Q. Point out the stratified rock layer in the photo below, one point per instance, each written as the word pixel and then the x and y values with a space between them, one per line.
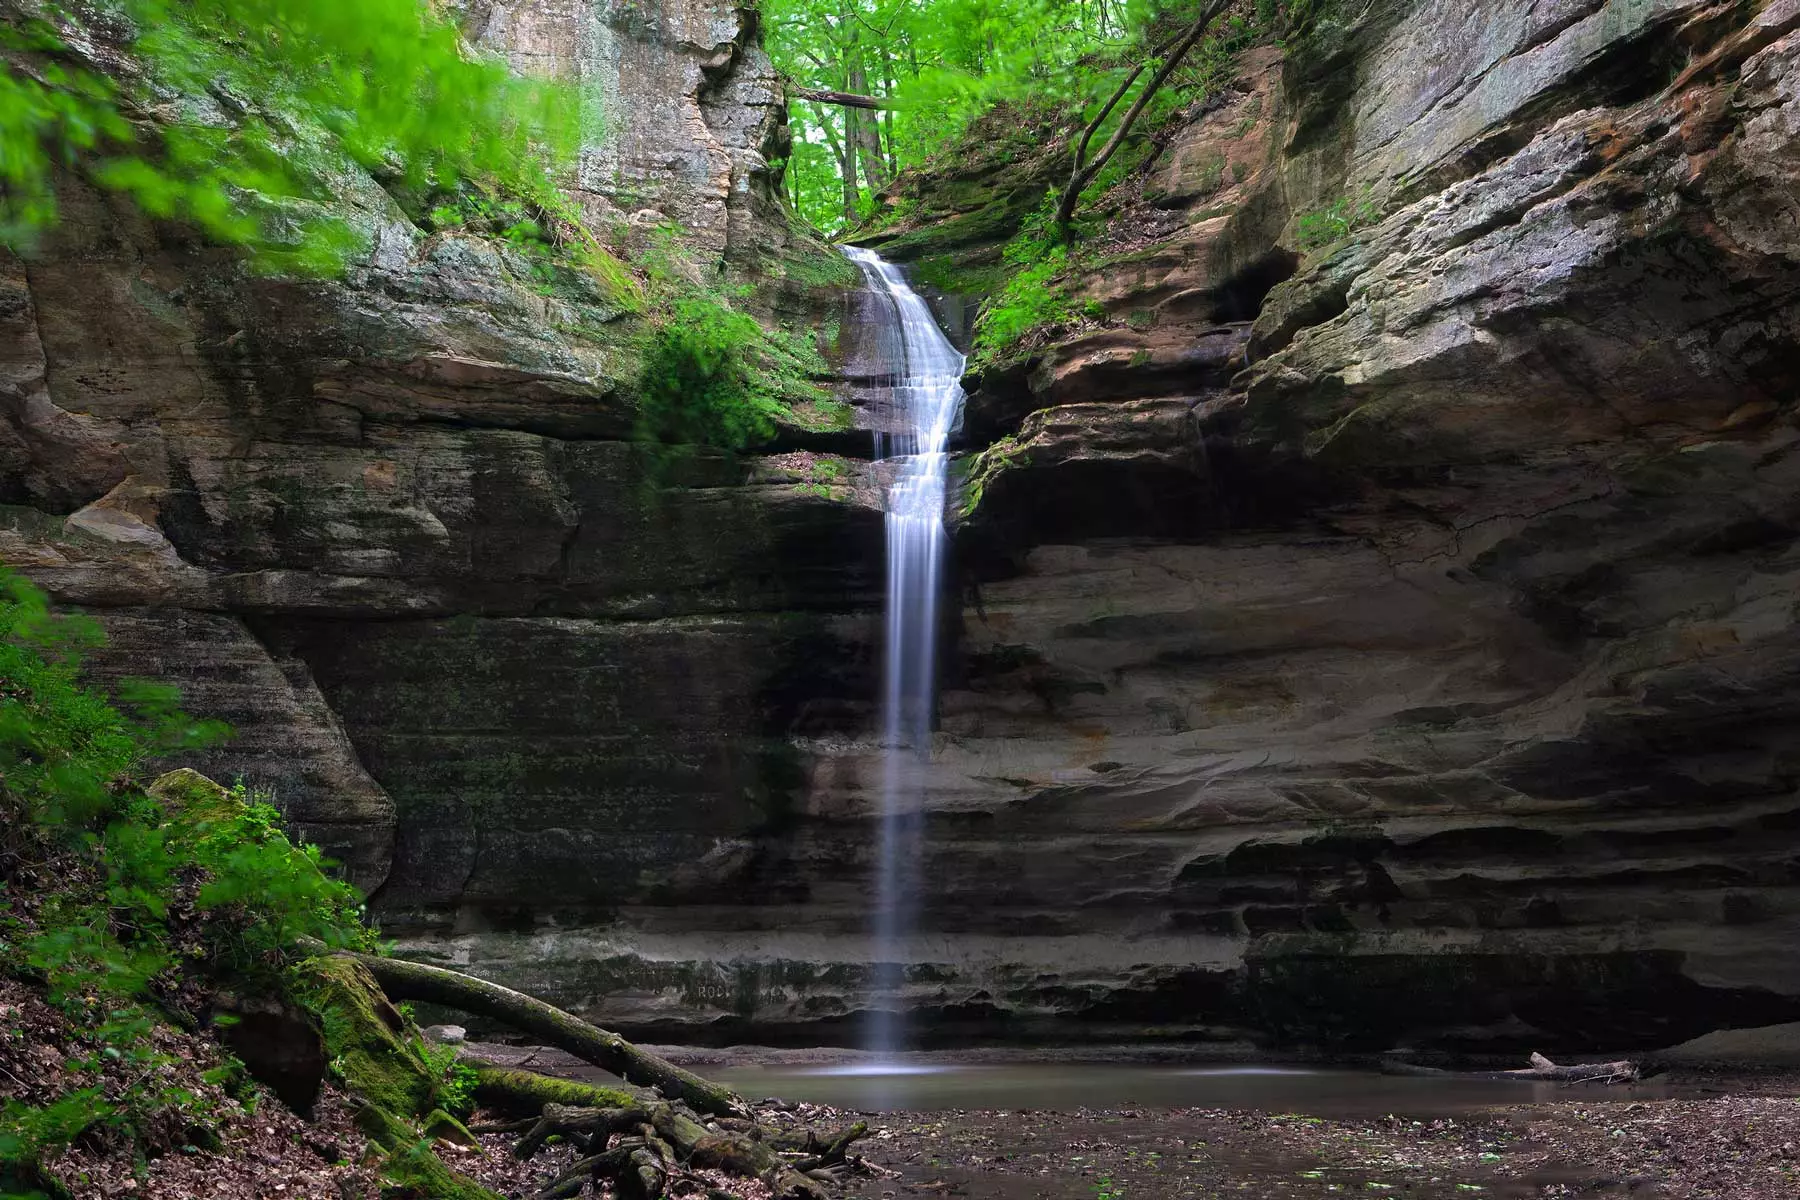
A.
pixel 1390 641
pixel 1402 655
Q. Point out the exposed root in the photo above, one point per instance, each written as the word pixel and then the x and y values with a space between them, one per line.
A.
pixel 645 1148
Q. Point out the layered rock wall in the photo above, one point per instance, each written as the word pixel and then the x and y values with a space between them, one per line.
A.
pixel 1405 614
pixel 1411 615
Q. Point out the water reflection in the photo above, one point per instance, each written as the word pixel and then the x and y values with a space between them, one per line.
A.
pixel 920 1086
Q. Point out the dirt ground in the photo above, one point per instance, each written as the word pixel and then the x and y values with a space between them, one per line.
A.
pixel 1717 1137
pixel 1734 1146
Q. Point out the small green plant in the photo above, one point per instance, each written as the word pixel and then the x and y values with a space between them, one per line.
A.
pixel 455 1080
pixel 1333 223
pixel 824 475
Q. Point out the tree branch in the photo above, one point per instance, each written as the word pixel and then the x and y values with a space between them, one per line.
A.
pixel 842 99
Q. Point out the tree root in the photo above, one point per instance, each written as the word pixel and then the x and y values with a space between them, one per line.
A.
pixel 642 1139
pixel 645 1145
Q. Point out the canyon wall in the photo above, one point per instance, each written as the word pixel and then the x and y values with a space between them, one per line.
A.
pixel 1404 616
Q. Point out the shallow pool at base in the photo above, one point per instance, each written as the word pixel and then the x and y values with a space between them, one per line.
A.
pixel 912 1086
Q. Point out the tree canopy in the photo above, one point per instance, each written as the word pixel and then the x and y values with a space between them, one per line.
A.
pixel 934 65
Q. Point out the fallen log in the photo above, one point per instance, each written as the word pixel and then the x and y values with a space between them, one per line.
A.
pixel 403 980
pixel 844 99
pixel 1541 1069
pixel 509 1089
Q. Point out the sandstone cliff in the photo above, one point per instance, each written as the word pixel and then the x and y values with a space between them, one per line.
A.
pixel 1409 651
pixel 1378 641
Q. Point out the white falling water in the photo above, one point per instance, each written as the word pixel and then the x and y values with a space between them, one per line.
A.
pixel 923 406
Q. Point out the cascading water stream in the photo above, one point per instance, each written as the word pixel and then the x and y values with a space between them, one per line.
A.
pixel 923 405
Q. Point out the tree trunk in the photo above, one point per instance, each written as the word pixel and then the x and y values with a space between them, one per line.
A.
pixel 404 980
pixel 845 153
pixel 868 133
pixel 1084 171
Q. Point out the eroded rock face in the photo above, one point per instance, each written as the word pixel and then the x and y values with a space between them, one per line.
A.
pixel 1405 617
pixel 403 494
pixel 1448 650
pixel 1429 637
pixel 683 99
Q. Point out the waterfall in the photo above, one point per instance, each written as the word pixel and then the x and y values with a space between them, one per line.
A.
pixel 923 404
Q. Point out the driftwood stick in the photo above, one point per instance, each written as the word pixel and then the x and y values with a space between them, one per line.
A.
pixel 1541 1068
pixel 834 1152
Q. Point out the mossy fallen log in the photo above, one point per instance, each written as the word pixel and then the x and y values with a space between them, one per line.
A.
pixel 511 1090
pixel 404 980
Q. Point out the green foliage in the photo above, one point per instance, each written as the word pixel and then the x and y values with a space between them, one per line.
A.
pixel 274 98
pixel 1035 295
pixel 1031 299
pixel 455 1080
pixel 64 748
pixel 151 888
pixel 264 894
pixel 701 384
pixel 28 1133
pixel 945 63
pixel 711 374
pixel 1333 223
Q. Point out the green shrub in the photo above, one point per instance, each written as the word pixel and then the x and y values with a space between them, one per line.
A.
pixel 143 892
pixel 714 376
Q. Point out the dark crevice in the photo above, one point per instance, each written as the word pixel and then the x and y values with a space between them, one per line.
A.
pixel 1240 297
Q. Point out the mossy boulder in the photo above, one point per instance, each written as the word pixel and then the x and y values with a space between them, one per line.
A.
pixel 193 799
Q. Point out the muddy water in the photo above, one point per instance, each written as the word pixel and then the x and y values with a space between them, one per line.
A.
pixel 1065 1086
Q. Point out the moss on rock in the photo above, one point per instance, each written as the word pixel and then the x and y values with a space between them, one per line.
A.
pixel 367 1040
pixel 379 1058
pixel 414 1172
pixel 194 799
